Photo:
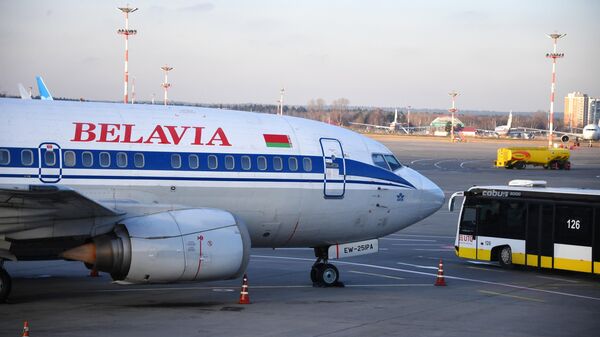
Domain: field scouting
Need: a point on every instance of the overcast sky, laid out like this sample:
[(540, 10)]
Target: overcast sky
[(375, 53)]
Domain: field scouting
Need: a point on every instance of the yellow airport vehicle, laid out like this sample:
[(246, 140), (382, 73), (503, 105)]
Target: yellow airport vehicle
[(520, 157)]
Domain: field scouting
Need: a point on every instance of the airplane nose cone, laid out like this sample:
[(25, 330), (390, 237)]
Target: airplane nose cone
[(432, 197)]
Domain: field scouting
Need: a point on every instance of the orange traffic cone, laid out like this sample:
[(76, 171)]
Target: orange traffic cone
[(25, 329), (244, 297), (94, 272), (440, 281)]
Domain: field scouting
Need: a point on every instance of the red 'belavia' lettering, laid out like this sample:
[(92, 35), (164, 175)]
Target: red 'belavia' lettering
[(160, 134)]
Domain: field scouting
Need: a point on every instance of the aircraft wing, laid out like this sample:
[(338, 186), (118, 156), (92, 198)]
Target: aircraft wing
[(36, 205)]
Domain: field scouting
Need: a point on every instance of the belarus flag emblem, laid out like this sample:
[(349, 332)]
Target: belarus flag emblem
[(277, 140)]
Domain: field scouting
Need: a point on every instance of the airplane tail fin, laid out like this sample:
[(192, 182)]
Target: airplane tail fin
[(23, 92), (396, 116), (44, 92), (509, 120)]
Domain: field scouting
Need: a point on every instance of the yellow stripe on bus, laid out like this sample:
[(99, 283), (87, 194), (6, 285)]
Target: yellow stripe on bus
[(575, 265), (532, 260), (467, 253), (484, 254), (518, 258), (546, 262), (596, 267)]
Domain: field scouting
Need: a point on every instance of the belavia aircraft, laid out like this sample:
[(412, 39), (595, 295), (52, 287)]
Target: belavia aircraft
[(156, 194)]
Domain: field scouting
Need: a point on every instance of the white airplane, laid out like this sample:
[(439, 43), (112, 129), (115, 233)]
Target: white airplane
[(392, 127), (154, 194), (590, 132), (503, 130)]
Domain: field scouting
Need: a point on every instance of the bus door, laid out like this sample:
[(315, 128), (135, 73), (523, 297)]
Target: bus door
[(467, 233), (532, 237), (334, 183), (547, 237), (573, 237), (50, 162)]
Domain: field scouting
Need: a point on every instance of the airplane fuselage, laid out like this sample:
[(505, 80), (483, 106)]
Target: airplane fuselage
[(294, 182)]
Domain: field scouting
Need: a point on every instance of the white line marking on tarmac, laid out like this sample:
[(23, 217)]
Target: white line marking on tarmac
[(507, 285), (511, 296), (422, 240), (418, 160), (378, 275), (558, 279), (417, 266), (443, 161), (415, 244), (425, 236), (486, 269), (220, 289), (471, 161), (434, 249)]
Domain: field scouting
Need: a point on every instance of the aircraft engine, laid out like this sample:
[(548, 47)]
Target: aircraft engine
[(185, 245), (564, 138)]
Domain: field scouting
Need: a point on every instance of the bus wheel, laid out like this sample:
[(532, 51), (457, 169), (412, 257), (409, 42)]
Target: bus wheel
[(505, 257)]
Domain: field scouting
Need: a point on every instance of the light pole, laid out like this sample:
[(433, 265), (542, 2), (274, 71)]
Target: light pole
[(126, 32), (554, 55), (408, 118), (166, 85), (452, 110), (281, 92)]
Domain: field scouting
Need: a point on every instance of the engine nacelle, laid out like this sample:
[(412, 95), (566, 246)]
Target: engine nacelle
[(185, 245), (564, 138)]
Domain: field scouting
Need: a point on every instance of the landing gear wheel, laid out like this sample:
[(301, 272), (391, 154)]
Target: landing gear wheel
[(505, 257), (328, 275), (5, 284), (314, 271)]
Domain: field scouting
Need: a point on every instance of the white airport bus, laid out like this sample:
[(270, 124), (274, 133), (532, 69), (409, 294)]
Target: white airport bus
[(527, 223)]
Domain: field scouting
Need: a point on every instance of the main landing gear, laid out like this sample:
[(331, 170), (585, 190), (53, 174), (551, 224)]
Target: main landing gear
[(5, 283), (322, 273)]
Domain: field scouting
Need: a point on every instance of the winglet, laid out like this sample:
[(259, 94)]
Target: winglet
[(23, 92), (44, 92)]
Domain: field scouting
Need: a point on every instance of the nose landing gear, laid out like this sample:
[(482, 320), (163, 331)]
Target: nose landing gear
[(323, 273), (5, 283)]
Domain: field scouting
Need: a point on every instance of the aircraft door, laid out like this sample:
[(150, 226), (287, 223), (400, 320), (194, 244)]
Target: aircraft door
[(50, 162), (334, 182)]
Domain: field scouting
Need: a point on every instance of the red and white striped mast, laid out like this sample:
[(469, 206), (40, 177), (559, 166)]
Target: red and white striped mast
[(126, 32), (166, 85), (554, 55), (452, 110)]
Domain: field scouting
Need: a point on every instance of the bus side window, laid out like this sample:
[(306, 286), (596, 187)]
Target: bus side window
[(573, 225), (468, 223), (516, 218)]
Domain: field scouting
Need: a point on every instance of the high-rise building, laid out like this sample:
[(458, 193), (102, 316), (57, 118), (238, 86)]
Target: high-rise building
[(576, 110), (593, 110)]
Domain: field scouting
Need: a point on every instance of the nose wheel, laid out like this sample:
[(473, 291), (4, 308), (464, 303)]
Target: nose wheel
[(323, 273), (5, 284)]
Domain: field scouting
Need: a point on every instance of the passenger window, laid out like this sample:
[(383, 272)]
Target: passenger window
[(277, 164), (246, 164), (4, 157), (212, 162), (261, 163), (393, 162), (293, 163), (104, 159), (87, 159), (175, 161), (193, 161), (138, 160), (121, 159), (378, 160), (50, 158), (229, 162), (27, 157), (70, 158), (307, 164)]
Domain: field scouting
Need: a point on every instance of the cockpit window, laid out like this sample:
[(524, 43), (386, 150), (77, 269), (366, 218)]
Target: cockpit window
[(379, 160), (393, 162)]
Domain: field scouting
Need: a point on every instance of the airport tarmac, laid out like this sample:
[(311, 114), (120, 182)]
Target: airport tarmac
[(386, 294)]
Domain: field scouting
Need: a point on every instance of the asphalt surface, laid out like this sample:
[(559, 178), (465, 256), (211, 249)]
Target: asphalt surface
[(386, 294)]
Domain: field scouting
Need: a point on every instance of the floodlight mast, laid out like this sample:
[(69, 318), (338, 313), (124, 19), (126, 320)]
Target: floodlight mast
[(126, 32), (452, 110), (554, 55), (280, 110), (166, 85)]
